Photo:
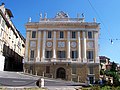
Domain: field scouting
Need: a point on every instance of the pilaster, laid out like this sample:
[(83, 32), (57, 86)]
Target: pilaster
[(38, 46), (43, 46)]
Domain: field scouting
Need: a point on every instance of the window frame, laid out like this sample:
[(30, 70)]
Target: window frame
[(33, 34), (47, 69), (90, 34), (48, 54), (90, 55), (49, 34), (74, 54), (73, 34), (91, 70), (61, 54), (74, 69), (61, 34), (32, 54)]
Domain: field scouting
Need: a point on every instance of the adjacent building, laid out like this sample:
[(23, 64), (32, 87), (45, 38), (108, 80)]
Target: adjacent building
[(63, 47), (12, 43), (105, 63)]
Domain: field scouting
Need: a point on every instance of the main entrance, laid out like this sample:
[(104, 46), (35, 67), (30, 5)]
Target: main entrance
[(61, 73)]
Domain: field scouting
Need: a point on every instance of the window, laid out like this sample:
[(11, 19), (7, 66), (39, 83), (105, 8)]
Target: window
[(33, 34), (47, 69), (0, 19), (1, 32), (91, 70), (48, 54), (90, 34), (61, 34), (91, 79), (73, 69), (61, 54), (74, 54), (49, 34), (73, 34), (32, 53), (90, 55), (3, 23)]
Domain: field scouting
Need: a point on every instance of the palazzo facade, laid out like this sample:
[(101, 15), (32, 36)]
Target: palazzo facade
[(63, 47)]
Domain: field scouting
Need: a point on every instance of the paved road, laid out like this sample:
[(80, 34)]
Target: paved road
[(14, 79)]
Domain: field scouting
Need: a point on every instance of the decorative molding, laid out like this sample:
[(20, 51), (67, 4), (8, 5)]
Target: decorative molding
[(49, 44), (61, 44), (32, 43), (73, 44), (62, 29)]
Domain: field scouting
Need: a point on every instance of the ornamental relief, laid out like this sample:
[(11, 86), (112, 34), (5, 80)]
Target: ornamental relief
[(73, 44), (90, 45), (32, 43), (49, 44), (61, 44)]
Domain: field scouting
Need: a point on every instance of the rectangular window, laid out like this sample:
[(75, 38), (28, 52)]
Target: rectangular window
[(48, 54), (73, 34), (47, 69), (90, 55), (3, 23), (90, 35), (49, 34), (32, 53), (61, 34), (0, 19), (91, 70), (61, 54), (1, 32), (33, 34), (74, 54), (91, 79), (74, 69)]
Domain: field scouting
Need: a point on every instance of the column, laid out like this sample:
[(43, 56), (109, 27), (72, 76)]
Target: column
[(54, 45), (43, 47), (68, 42), (79, 47), (84, 47), (96, 47), (27, 46), (38, 46)]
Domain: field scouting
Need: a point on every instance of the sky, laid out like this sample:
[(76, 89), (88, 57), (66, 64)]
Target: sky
[(106, 12)]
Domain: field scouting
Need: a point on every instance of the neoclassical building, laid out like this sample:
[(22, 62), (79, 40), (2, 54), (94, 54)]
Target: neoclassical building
[(63, 47)]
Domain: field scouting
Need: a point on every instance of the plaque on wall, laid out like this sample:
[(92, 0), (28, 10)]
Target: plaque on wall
[(90, 45), (32, 43), (73, 44), (61, 44), (49, 44)]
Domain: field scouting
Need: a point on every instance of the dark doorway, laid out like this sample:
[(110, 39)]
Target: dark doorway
[(61, 73)]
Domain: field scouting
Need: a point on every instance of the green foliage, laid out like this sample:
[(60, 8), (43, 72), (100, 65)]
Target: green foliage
[(113, 67), (106, 88), (102, 88), (102, 72)]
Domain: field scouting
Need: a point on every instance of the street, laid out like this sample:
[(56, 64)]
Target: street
[(17, 79)]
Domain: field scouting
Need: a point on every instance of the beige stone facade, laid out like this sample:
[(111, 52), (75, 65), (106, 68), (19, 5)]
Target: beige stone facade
[(12, 43), (63, 47)]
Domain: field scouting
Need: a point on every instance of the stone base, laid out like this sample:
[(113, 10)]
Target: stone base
[(51, 70)]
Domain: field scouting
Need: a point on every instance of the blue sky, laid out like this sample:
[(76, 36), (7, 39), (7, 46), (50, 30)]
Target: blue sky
[(108, 11)]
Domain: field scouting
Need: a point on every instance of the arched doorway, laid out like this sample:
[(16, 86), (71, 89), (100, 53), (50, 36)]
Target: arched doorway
[(61, 73)]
